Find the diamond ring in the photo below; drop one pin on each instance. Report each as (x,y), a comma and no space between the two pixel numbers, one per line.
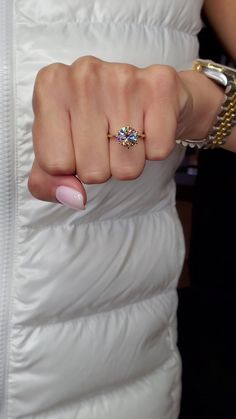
(127,136)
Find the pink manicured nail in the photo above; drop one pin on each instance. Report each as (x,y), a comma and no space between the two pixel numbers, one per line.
(70,197)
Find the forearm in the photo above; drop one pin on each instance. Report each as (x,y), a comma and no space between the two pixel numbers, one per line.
(222,16)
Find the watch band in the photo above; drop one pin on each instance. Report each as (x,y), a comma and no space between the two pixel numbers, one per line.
(226,119)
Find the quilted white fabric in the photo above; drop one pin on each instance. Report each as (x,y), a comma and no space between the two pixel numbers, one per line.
(93,314)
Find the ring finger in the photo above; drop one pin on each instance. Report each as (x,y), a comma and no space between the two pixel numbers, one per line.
(126,163)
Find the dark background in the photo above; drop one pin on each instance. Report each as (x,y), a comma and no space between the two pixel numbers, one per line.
(207,298)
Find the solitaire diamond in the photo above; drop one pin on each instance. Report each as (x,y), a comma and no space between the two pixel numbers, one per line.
(127,136)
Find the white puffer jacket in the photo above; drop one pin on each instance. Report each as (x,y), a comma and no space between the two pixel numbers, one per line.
(88,300)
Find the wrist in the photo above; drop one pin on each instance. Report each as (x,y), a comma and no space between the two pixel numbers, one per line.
(204,103)
(225,119)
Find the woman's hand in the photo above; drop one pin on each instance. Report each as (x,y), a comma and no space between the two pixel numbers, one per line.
(76,107)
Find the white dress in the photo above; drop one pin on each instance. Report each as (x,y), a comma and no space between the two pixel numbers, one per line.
(88,299)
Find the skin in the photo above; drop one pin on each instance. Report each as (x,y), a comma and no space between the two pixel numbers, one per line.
(74,109)
(222,16)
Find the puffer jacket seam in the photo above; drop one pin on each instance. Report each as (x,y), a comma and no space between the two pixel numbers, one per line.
(16,209)
(156,26)
(43,227)
(176,355)
(104,392)
(100,314)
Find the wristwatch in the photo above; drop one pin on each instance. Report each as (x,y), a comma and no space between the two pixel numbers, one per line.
(226,119)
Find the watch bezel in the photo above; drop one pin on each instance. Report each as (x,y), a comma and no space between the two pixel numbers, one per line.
(221,74)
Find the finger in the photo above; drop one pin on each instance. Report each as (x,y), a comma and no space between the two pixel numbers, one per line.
(88,122)
(89,132)
(126,164)
(160,129)
(51,129)
(67,190)
(161,111)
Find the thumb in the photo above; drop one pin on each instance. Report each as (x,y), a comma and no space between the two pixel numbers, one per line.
(67,190)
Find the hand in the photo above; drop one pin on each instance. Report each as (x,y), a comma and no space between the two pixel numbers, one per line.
(76,106)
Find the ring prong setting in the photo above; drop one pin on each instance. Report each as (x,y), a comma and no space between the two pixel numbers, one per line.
(127,136)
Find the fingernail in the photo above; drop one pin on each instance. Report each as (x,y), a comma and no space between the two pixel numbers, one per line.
(70,197)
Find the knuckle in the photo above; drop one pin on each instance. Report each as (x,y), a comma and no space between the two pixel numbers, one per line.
(159,153)
(126,173)
(35,185)
(86,60)
(47,75)
(84,67)
(126,71)
(126,75)
(94,177)
(56,167)
(163,77)
(46,82)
